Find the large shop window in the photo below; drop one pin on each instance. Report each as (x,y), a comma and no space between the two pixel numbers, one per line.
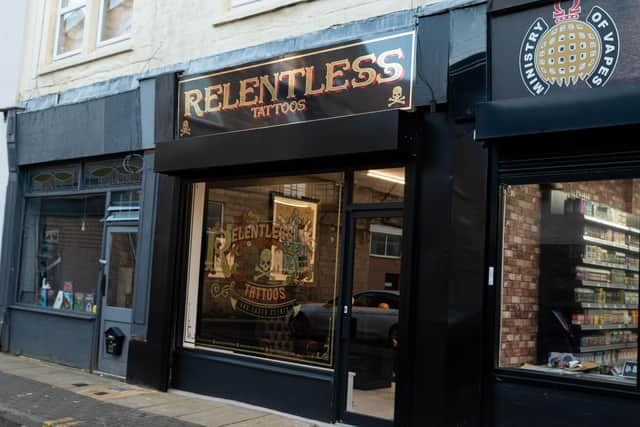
(263,267)
(570,279)
(61,247)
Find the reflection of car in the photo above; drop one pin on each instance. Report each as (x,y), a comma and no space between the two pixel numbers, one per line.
(374,318)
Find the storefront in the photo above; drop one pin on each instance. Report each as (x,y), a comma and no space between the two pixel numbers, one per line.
(317,206)
(74,247)
(564,224)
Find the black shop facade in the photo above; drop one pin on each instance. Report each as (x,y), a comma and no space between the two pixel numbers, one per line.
(563,224)
(306,204)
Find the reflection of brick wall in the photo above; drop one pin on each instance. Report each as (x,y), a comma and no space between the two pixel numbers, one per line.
(521,253)
(520,271)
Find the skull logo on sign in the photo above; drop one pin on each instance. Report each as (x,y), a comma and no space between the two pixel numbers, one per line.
(263,269)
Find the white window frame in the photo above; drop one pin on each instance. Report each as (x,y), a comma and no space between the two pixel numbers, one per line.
(100,43)
(60,11)
(387,231)
(226,12)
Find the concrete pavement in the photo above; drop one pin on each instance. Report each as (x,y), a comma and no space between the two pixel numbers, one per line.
(37,393)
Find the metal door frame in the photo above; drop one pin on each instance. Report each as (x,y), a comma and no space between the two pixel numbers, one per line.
(383,210)
(121,314)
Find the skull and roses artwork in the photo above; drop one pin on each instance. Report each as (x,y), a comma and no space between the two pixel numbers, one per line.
(255,263)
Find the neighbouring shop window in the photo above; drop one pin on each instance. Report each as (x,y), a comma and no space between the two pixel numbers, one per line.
(124,206)
(54,178)
(70,23)
(379,185)
(267,282)
(113,172)
(115,20)
(569,303)
(62,243)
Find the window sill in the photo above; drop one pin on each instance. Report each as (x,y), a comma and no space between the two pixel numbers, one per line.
(104,51)
(53,312)
(264,6)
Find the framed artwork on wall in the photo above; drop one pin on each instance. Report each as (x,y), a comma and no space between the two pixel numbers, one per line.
(295,222)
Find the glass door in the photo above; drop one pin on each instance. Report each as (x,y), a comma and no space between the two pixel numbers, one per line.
(370,328)
(119,267)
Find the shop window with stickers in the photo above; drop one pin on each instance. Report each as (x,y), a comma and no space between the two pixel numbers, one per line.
(263,267)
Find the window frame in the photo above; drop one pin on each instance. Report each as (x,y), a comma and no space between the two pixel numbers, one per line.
(195,249)
(91,50)
(529,173)
(106,193)
(113,40)
(59,13)
(226,13)
(386,231)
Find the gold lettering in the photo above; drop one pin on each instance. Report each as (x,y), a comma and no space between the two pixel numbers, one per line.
(291,84)
(226,105)
(210,97)
(272,88)
(193,98)
(394,71)
(309,90)
(367,75)
(247,87)
(335,70)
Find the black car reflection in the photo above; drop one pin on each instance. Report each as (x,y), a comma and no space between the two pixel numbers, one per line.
(373,333)
(374,318)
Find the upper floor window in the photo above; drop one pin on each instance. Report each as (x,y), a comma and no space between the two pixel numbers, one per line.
(236,3)
(71,19)
(115,20)
(234,10)
(82,26)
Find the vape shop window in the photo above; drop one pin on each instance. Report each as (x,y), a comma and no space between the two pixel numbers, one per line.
(570,279)
(62,242)
(269,266)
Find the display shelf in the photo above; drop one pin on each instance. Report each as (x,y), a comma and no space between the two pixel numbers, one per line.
(611,224)
(595,284)
(606,327)
(610,243)
(609,306)
(587,261)
(568,261)
(593,348)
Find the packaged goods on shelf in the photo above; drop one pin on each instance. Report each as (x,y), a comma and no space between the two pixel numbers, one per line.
(596,275)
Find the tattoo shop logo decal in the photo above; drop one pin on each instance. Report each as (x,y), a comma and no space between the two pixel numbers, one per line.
(571,51)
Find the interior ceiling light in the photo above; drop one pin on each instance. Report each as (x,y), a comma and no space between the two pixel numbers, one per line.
(385,176)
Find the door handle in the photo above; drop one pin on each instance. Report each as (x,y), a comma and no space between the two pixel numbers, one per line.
(102,261)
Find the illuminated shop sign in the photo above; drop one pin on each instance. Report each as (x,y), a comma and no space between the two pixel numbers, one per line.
(355,78)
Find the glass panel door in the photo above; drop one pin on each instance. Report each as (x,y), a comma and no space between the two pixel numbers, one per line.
(122,259)
(373,322)
(119,268)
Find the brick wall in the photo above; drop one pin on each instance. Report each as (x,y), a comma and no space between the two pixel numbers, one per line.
(521,256)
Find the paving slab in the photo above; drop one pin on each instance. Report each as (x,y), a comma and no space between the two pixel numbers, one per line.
(41,393)
(223,416)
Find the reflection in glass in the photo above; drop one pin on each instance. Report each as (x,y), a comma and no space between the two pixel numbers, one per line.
(373,345)
(71,31)
(122,261)
(268,279)
(379,185)
(116,19)
(62,243)
(570,279)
